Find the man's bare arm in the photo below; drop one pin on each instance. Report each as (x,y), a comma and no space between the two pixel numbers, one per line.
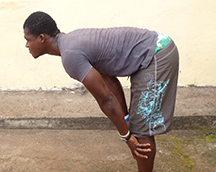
(110,105)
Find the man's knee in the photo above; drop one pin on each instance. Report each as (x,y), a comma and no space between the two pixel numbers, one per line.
(146,165)
(147,139)
(151,141)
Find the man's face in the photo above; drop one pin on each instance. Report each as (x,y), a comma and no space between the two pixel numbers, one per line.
(34,44)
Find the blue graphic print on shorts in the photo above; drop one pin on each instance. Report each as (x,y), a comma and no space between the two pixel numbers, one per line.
(149,106)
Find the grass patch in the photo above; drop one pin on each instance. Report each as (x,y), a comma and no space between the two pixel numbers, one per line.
(180,158)
(180,148)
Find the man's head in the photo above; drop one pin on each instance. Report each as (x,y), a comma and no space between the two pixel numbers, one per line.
(41,23)
(37,27)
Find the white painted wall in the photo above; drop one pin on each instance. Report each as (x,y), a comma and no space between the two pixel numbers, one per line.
(191,23)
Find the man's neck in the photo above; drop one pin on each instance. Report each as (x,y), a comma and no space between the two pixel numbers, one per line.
(52,46)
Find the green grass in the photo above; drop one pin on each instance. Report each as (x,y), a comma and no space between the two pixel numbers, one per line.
(180,151)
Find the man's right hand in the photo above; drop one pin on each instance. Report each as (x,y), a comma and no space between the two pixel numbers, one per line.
(137,149)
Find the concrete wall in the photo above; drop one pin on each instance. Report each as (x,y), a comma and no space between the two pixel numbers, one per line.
(191,23)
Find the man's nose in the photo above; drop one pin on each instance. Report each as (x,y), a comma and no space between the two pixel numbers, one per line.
(26,45)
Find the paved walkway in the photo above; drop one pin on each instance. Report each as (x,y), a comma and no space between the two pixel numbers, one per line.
(102,151)
(195,109)
(45,141)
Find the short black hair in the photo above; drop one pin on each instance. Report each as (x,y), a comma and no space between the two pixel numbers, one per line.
(41,23)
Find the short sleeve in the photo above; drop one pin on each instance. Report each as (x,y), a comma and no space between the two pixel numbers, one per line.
(76,64)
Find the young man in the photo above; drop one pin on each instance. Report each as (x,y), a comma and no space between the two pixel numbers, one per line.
(96,57)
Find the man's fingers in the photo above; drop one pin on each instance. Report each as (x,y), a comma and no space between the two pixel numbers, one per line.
(134,155)
(143,150)
(143,145)
(140,155)
(139,149)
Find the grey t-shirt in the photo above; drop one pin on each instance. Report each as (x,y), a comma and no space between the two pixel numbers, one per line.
(117,51)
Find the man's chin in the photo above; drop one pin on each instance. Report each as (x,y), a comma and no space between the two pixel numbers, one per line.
(35,56)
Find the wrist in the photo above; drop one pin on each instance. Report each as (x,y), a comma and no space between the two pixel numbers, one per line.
(125,137)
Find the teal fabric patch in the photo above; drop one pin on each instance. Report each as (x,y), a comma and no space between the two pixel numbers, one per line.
(162,42)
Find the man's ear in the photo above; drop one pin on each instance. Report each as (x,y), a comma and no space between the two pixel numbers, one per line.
(41,37)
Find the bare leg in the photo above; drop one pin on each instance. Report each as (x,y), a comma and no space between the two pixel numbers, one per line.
(116,88)
(146,165)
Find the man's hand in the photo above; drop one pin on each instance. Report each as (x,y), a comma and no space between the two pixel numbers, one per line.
(137,149)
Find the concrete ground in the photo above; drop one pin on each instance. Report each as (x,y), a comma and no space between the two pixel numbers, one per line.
(66,132)
(102,151)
